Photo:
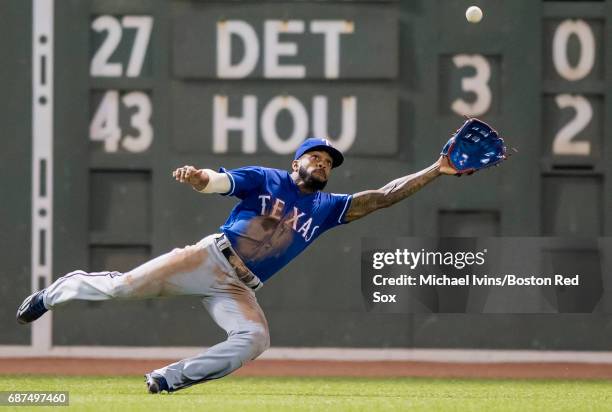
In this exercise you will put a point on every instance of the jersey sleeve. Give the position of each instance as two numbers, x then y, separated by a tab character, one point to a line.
244	180
338	206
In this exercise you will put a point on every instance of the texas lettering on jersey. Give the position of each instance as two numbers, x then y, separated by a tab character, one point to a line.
277	212
274	221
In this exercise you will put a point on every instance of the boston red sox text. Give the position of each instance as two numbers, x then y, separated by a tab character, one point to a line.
476	280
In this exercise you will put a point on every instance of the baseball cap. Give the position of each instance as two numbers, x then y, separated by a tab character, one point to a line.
315	143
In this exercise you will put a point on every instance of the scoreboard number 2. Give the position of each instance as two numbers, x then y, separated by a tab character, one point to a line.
563	144
105	124
100	63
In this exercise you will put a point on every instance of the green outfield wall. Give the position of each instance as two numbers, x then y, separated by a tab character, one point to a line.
142	87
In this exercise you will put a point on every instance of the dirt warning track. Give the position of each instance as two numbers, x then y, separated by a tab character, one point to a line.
115	367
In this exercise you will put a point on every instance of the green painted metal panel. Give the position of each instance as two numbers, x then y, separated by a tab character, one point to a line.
407	64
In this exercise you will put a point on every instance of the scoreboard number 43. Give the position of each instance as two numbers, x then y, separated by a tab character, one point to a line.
105	123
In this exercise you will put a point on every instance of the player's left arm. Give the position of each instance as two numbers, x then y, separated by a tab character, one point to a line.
368	201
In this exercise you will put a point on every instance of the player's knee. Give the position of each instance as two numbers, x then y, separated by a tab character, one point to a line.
259	338
253	341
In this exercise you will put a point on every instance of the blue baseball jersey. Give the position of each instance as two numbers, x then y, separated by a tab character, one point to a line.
275	221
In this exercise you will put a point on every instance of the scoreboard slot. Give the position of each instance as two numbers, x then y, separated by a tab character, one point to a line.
120	207
572	205
468	223
569	262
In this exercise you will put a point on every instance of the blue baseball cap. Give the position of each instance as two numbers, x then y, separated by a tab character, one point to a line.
315	143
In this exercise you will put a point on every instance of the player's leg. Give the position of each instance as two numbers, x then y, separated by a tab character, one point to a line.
236	310
151	279
179	272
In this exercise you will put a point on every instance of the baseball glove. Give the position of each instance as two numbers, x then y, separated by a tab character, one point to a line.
473	147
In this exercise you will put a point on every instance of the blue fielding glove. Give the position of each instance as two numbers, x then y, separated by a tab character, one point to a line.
473	147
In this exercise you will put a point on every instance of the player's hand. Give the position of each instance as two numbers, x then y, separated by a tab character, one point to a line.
445	167
188	174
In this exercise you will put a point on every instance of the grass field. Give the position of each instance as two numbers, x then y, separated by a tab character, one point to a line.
317	394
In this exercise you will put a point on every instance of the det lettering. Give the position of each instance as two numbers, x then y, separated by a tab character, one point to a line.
330	31
275	208
308	114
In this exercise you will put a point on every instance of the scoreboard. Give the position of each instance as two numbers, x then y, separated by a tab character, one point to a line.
242	79
145	86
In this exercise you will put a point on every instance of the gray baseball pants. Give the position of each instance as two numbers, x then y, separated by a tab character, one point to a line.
201	270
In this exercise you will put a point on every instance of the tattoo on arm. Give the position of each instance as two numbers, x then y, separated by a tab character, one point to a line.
366	202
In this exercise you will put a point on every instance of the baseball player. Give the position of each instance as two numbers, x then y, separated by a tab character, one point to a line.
280	213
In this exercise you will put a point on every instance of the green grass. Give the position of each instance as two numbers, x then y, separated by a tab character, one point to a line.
319	394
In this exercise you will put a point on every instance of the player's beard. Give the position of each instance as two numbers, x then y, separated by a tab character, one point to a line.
311	181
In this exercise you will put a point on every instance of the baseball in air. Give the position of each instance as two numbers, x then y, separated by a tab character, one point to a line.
473	14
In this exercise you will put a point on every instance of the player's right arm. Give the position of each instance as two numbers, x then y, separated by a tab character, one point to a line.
203	180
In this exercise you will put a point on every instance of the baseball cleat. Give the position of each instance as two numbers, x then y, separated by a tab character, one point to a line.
32	308
156	384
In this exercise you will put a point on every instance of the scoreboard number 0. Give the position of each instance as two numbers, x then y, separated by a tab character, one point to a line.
586	39
105	125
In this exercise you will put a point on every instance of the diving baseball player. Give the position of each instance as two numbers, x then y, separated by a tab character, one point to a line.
279	214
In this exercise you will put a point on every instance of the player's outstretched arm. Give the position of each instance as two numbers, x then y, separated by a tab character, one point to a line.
203	180
368	201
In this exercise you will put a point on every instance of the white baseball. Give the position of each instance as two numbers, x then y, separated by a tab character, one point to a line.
473	14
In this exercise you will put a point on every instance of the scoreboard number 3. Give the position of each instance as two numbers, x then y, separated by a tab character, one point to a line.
100	64
105	124
477	84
